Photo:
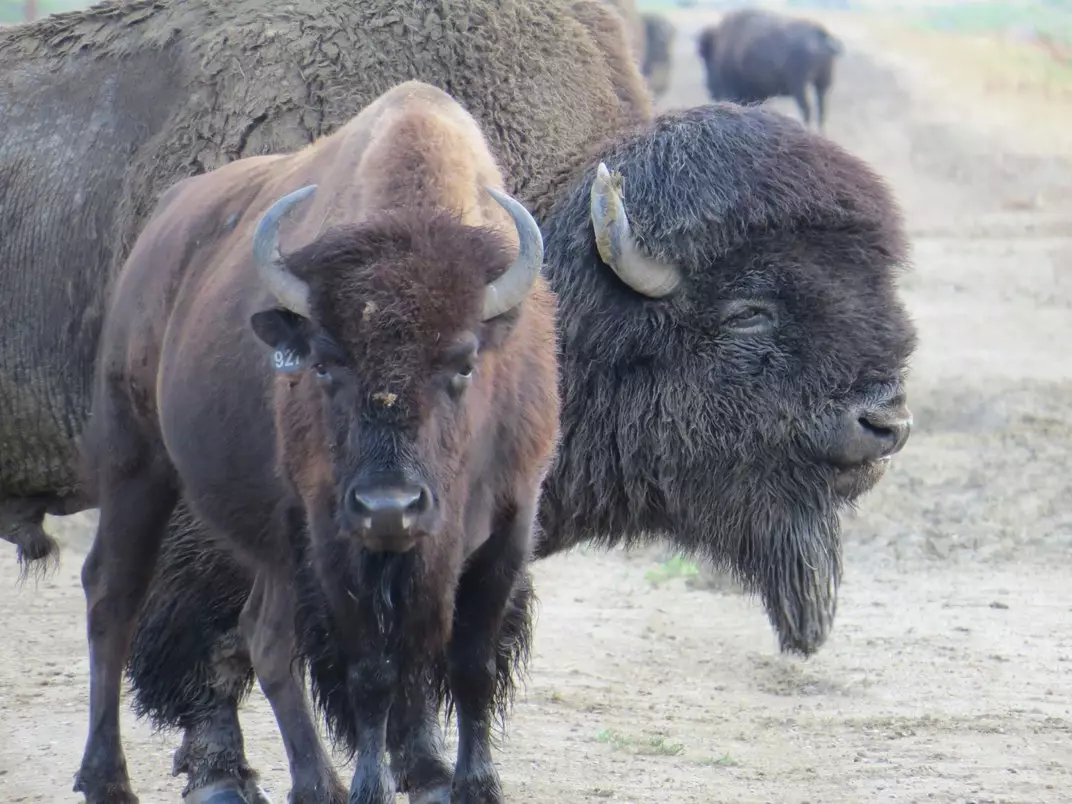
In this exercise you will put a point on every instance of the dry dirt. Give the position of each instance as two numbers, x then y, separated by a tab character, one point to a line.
947	678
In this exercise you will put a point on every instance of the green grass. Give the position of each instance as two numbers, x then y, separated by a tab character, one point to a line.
12	10
646	745
1052	18
724	761
676	567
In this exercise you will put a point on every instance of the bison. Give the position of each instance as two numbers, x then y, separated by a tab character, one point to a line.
394	444
753	55
718	416
732	354
105	108
659	35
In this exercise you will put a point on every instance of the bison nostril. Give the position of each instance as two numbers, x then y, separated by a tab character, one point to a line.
422	501
890	428
388	508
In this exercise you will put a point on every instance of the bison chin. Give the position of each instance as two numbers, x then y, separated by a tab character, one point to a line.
780	536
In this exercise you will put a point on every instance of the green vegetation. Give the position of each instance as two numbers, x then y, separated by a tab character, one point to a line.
724	761
1038	21
14	10
647	745
676	567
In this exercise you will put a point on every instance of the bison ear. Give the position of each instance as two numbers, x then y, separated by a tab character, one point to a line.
286	333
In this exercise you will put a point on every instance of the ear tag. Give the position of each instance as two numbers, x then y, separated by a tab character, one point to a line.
286	361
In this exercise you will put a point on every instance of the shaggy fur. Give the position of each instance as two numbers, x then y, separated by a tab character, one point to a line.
105	108
753	55
402	374
673	426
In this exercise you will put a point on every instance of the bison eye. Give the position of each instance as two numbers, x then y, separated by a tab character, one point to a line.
748	319
321	371
460	381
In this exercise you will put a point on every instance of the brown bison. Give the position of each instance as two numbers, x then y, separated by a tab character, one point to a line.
734	415
634	27
393	446
732	353
659	35
105	108
753	55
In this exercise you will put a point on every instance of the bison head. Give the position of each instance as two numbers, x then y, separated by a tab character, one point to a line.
388	330
733	350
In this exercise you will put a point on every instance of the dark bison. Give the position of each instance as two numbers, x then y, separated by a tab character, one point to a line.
734	416
105	108
753	55
732	350
393	445
658	43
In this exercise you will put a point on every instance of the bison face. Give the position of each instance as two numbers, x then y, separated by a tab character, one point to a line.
386	326
733	350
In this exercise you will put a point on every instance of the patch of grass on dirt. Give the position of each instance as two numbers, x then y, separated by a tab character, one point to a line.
646	745
674	567
724	761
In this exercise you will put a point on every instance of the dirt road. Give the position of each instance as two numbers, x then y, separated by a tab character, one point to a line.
947	678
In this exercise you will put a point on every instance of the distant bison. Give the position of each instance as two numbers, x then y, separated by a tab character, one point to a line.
754	55
658	44
392	449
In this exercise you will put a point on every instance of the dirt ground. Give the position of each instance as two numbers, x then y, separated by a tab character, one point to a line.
947	678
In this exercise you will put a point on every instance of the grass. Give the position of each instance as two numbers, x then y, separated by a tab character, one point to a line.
12	11
676	567
724	761
641	745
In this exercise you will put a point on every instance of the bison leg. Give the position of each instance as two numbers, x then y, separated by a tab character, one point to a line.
416	745
267	622
213	758
820	103
800	95
21	523
483	598
137	497
372	684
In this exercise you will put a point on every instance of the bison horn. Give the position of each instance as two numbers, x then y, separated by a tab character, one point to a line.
616	245
510	289
291	292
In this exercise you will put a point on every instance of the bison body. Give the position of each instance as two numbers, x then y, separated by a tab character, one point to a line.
732	350
752	55
105	108
391	451
659	36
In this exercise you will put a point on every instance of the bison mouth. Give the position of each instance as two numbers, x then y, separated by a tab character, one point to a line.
853	481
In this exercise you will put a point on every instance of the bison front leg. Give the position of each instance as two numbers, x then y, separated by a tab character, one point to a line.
267	622
485	594
372	683
415	741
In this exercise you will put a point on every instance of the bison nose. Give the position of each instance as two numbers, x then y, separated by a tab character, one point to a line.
872	433
381	510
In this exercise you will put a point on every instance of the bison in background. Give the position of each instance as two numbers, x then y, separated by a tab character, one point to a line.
753	55
391	451
658	45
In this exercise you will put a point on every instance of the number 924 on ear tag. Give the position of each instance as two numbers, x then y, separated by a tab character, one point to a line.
286	361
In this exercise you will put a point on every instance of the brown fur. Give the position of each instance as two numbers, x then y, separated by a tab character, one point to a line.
107	107
399	243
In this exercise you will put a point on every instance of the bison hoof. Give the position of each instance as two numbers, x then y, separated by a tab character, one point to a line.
437	795
227	792
478	788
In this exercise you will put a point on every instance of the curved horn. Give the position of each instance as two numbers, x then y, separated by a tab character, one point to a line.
291	292
510	289
615	242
